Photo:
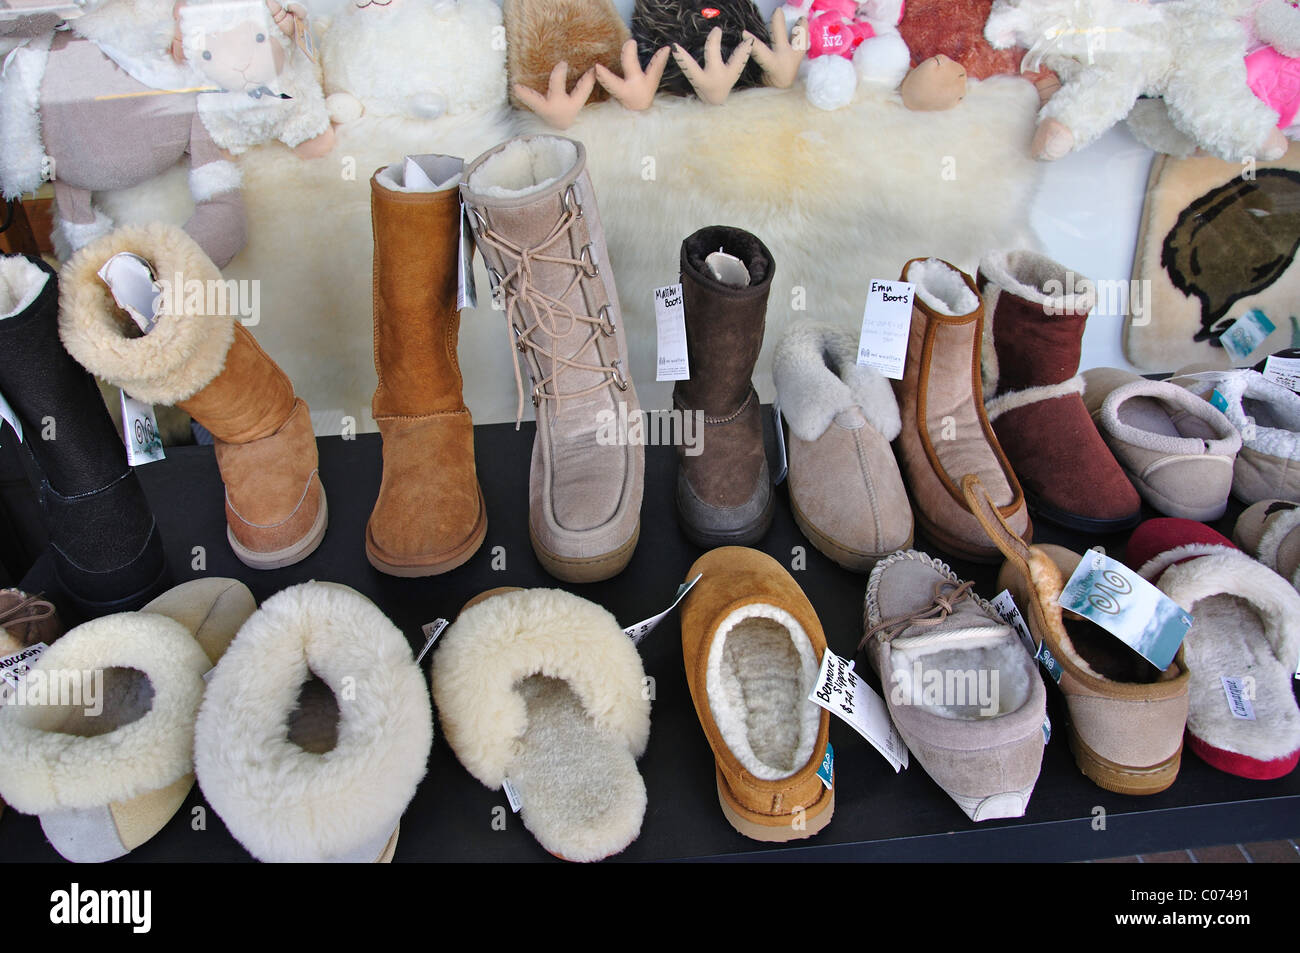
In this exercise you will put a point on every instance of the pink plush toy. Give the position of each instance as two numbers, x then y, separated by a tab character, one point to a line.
1273	66
834	29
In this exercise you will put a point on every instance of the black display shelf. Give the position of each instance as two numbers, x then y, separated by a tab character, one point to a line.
878	815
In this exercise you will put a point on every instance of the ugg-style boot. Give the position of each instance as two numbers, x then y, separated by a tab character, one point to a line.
1035	312
430	516
946	435
211	367
108	555
724	494
536	222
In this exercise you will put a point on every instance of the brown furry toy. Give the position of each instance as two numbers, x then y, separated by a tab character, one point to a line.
688	24
543	34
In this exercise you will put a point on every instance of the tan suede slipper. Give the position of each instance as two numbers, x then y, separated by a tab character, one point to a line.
1270	531
753	646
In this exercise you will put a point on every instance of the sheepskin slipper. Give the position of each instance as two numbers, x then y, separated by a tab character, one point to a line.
315	729
1242	649
752	646
544	689
26	619
845	489
99	740
960	688
1267	415
1270	531
1178	451
1126	717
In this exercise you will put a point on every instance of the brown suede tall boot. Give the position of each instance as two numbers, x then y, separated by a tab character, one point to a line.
946	434
724	494
1036	311
210	366
430	516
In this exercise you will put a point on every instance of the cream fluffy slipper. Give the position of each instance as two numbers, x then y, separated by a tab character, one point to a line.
315	729
545	690
98	741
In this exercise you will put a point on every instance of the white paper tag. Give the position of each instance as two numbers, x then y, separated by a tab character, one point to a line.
670	317
886	324
432	630
841	691
783	464
1238	702
14	667
130	278
1047	729
1283	370
1005	603
8	415
639	631
1246	333
466	283
140	432
511	795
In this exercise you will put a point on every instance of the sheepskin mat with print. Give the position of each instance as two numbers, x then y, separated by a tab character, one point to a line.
840	197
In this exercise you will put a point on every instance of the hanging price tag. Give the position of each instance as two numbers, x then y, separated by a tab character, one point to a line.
140	432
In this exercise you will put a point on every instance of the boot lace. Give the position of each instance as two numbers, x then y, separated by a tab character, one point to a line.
538	321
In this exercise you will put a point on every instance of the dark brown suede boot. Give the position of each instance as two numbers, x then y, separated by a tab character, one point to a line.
724	494
1036	313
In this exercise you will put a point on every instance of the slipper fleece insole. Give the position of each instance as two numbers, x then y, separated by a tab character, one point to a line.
1227	640
581	794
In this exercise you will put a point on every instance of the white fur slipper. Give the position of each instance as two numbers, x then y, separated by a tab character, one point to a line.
315	729
1242	650
98	739
544	689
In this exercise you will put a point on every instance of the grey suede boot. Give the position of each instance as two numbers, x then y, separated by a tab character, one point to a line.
536	222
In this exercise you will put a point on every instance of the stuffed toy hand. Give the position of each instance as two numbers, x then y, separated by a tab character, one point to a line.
636	88
714	81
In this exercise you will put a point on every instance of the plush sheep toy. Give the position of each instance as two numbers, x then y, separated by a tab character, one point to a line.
1109	52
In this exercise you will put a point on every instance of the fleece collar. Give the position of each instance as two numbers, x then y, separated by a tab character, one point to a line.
1226	442
1238	386
817	376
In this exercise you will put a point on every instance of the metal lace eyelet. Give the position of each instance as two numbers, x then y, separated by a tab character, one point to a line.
477	219
537	395
619	380
494	277
519	339
607	326
588	261
571	203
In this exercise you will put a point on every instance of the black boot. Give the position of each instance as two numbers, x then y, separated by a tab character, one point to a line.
107	553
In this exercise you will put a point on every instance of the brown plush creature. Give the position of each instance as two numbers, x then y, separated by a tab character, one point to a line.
542	35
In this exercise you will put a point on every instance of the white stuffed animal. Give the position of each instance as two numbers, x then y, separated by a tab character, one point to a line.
881	58
1110	52
414	58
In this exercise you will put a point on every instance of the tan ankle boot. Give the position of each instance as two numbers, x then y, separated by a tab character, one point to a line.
538	227
211	367
946	434
430	516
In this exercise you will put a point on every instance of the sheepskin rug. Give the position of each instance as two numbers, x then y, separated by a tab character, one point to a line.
839	197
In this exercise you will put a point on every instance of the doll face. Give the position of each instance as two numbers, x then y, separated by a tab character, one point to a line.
244	57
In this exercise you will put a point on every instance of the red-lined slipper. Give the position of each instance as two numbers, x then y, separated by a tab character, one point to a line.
1242	649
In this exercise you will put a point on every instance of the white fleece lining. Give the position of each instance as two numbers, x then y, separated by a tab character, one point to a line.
49	761
1218	437
1280	439
21	283
1025	274
213	179
1277	528
544	688
22	153
1246	624
1013	400
1152	569
758	681
524	167
817	376
183	354
942	287
282	802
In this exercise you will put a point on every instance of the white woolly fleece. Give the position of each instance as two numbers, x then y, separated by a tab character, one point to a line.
545	689
22	152
1113	418
283	803
761	670
21	282
1266	414
183	354
1012	400
1246	624
213	179
817	376
942	287
525	166
49	758
1153	568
